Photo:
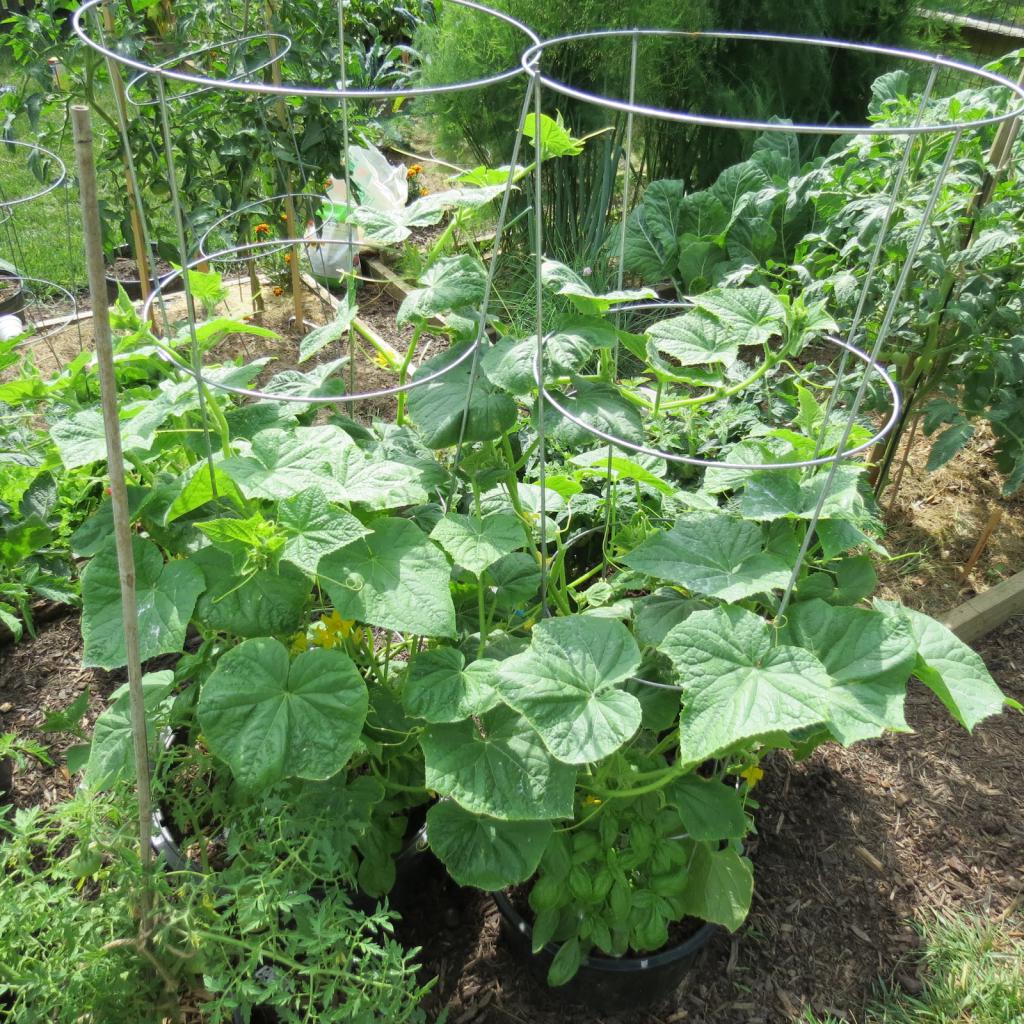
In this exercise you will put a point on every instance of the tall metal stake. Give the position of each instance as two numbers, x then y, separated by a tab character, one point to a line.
118	492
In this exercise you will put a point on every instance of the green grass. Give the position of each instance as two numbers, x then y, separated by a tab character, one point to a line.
43	238
972	970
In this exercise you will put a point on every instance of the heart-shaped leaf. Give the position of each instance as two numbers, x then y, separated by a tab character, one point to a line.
165	596
269	719
441	687
438	408
499	768
284	463
476	543
395	578
738	687
483	852
455	282
567	686
314	528
711	554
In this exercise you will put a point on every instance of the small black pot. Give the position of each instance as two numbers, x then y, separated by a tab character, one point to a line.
14	303
7	784
606	983
173	282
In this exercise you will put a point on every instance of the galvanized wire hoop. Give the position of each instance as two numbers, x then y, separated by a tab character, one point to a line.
6	204
872	366
210	48
238	251
532	59
299	90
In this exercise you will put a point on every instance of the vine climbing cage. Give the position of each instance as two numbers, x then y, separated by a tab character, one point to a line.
861	390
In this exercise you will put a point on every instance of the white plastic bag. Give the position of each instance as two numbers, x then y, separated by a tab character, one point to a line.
380	185
326	259
10	327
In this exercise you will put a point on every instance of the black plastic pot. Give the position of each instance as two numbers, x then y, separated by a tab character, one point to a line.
7	784
173	282
15	302
605	983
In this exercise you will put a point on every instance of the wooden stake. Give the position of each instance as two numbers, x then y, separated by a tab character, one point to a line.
115	466
986	534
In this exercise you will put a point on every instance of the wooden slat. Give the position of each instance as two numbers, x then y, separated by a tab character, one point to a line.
983	613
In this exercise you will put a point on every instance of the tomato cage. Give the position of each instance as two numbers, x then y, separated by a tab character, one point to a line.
694	244
253	67
33	309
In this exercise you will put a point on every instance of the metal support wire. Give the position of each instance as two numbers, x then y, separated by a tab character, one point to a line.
496	251
179	223
880	340
869	277
120	98
538	261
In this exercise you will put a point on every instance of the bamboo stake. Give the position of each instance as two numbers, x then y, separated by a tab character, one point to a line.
118	492
986	534
289	205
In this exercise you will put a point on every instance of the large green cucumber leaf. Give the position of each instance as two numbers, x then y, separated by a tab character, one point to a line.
438	408
165	596
112	750
376	483
441	687
753	315
81	440
784	494
655	614
738	687
869	657
265	602
485	852
711	554
284	463
477	543
949	668
313	527
271	719
455	282
719	886
694	339
498	767
709	808
395	577
597	405
567	686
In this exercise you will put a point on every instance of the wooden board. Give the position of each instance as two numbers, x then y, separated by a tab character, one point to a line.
983	613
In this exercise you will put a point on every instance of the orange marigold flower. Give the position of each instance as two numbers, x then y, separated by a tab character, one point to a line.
261	229
279	291
287	257
413	171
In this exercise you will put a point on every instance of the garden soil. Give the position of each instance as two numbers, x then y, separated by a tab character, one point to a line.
852	846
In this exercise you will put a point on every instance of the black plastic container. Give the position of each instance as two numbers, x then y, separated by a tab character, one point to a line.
172	281
15	302
605	983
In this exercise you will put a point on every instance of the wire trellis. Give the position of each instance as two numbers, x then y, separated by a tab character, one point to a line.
193	253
